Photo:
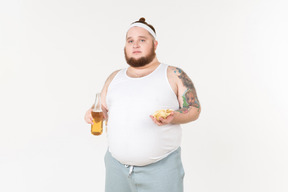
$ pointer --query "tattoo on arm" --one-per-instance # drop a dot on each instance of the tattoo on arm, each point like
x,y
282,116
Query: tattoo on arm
x,y
189,97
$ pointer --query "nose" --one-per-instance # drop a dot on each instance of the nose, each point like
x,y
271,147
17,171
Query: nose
x,y
135,44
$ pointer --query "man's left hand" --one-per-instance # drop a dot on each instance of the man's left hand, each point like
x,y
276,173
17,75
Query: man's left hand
x,y
163,121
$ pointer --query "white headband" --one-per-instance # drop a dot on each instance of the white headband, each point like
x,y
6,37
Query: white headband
x,y
145,27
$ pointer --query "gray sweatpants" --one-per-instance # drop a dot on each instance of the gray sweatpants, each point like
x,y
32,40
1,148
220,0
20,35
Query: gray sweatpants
x,y
165,175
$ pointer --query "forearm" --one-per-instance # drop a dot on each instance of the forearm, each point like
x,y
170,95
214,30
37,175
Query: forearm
x,y
186,115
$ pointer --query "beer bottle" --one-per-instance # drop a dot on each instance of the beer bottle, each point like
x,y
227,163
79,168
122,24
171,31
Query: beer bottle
x,y
98,117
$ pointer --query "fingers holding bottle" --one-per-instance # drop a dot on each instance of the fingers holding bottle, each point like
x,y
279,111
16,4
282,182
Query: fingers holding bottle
x,y
88,116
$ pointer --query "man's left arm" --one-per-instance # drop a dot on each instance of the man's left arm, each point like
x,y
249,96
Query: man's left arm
x,y
188,101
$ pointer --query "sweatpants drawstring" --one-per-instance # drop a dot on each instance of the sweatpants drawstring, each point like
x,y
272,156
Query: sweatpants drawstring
x,y
130,169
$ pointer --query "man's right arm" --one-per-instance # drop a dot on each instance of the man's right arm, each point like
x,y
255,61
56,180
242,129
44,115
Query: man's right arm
x,y
104,93
88,117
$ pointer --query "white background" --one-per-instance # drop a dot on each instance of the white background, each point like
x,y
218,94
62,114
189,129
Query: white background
x,y
55,55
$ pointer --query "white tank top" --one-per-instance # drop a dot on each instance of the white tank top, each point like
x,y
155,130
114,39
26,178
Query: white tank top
x,y
133,138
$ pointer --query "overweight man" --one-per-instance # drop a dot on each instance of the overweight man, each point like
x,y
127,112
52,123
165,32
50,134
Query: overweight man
x,y
144,153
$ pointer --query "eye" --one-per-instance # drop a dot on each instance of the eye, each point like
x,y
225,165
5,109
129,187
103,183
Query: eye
x,y
142,40
130,41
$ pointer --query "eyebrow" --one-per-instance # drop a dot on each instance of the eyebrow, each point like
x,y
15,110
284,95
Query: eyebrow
x,y
144,37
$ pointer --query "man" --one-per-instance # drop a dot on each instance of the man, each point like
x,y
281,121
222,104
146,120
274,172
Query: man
x,y
144,153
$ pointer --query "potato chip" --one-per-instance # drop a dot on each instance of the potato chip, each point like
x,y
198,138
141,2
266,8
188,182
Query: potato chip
x,y
164,113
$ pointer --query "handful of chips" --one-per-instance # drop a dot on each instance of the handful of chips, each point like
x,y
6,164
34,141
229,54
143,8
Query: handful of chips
x,y
162,113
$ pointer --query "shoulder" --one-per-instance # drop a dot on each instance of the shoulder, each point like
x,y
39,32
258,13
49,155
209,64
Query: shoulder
x,y
180,77
176,71
109,79
106,85
111,76
173,73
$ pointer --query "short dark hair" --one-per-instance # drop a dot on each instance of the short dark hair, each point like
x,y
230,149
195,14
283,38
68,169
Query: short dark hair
x,y
142,20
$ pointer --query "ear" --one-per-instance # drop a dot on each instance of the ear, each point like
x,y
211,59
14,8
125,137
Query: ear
x,y
155,44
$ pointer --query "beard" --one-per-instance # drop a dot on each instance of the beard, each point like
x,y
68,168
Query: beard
x,y
142,61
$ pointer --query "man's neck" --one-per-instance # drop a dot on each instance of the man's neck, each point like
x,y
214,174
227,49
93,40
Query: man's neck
x,y
144,70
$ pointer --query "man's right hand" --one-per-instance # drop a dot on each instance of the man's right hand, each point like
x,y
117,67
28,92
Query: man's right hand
x,y
88,117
